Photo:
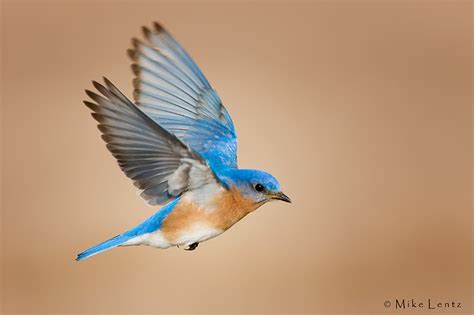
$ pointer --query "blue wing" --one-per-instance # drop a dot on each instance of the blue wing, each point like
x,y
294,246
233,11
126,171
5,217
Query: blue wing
x,y
170,89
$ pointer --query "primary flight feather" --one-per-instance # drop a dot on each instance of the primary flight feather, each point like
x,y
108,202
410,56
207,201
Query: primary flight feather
x,y
178,145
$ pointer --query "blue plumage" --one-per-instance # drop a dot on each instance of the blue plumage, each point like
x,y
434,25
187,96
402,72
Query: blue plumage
x,y
233,177
214,142
178,145
150,225
109,244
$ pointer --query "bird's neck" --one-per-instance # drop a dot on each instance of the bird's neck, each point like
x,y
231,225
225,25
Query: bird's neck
x,y
225,208
232,206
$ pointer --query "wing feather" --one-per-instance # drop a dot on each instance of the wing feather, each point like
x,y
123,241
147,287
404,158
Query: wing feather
x,y
155,160
171,90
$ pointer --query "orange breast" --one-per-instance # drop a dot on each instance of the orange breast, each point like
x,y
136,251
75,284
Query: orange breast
x,y
228,208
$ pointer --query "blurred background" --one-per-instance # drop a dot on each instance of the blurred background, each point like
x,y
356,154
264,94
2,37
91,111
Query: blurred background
x,y
362,110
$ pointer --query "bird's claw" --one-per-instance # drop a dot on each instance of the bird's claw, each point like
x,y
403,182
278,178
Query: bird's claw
x,y
193,246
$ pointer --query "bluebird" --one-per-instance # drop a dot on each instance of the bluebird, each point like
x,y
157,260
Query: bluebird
x,y
178,145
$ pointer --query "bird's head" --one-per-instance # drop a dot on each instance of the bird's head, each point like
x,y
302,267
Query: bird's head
x,y
255,185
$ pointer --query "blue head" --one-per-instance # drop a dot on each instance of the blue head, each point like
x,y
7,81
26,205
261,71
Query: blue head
x,y
255,185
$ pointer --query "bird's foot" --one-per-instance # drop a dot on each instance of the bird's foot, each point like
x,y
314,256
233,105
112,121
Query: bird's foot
x,y
193,246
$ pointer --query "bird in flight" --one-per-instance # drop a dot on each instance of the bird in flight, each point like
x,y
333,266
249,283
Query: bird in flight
x,y
178,145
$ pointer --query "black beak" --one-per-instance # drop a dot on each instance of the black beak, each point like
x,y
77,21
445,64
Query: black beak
x,y
281,196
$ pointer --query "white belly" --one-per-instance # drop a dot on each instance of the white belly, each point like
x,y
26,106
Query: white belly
x,y
155,239
196,234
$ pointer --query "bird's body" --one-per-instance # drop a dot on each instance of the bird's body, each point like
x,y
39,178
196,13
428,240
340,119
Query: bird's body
x,y
178,144
190,222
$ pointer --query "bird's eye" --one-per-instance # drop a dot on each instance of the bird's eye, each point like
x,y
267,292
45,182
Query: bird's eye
x,y
259,187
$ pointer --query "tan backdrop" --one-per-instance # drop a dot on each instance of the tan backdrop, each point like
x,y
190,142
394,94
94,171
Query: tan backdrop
x,y
361,109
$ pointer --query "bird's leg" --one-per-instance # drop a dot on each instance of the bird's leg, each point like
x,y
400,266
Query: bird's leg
x,y
193,246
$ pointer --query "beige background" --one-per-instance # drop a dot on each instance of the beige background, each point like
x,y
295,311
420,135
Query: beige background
x,y
361,109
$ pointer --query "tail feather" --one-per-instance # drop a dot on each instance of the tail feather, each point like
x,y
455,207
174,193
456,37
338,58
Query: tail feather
x,y
113,242
150,225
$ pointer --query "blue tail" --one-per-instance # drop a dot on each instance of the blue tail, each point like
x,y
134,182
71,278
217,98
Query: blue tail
x,y
148,226
113,242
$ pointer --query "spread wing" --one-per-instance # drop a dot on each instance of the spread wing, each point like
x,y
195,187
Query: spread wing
x,y
171,90
159,163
